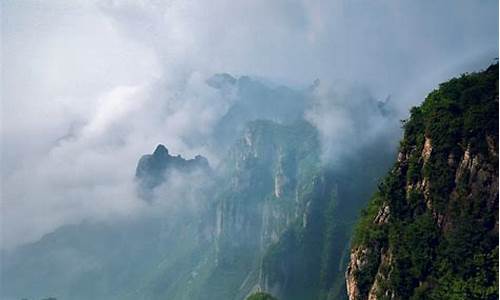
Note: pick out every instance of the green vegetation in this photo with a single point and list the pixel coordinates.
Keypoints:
(442, 235)
(309, 260)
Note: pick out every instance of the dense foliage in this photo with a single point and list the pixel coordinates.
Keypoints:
(442, 234)
(309, 260)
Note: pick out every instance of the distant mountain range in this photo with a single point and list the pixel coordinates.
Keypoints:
(275, 217)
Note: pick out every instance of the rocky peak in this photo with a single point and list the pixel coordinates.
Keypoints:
(420, 235)
(426, 152)
(160, 151)
(152, 169)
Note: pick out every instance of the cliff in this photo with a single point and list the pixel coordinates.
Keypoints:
(283, 217)
(431, 229)
(154, 169)
(258, 196)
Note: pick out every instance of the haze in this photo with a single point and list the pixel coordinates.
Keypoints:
(90, 86)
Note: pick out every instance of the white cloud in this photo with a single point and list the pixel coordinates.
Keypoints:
(349, 118)
(89, 86)
(89, 173)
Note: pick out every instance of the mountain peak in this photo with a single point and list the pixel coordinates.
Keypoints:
(152, 169)
(160, 150)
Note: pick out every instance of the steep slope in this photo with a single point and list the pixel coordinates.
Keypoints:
(308, 261)
(106, 260)
(431, 230)
(271, 217)
(260, 195)
(148, 256)
(210, 252)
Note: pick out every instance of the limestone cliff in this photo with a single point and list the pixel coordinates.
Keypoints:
(431, 230)
(258, 196)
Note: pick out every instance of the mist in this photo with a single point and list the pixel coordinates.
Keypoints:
(90, 86)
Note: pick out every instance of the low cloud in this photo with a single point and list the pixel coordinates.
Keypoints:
(89, 86)
(88, 173)
(349, 118)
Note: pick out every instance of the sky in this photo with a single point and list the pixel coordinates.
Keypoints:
(90, 86)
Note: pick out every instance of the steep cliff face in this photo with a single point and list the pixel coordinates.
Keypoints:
(431, 230)
(267, 167)
(308, 260)
(283, 217)
(258, 198)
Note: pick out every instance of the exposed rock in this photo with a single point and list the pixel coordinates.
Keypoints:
(153, 169)
(383, 215)
(385, 261)
(356, 264)
(427, 150)
(280, 179)
(453, 207)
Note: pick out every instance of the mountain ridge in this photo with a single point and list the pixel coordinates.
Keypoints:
(431, 229)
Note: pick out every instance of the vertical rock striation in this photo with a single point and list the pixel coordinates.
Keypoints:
(431, 230)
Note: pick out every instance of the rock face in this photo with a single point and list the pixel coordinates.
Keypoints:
(259, 198)
(154, 169)
(309, 258)
(431, 231)
(283, 217)
(272, 217)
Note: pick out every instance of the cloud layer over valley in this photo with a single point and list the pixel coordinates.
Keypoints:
(90, 86)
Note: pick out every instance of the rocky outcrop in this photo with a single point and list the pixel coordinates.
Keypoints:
(363, 259)
(356, 264)
(436, 212)
(426, 152)
(257, 201)
(154, 169)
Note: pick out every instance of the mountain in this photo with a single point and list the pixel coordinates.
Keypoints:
(308, 260)
(104, 260)
(431, 229)
(152, 168)
(254, 99)
(265, 174)
(272, 216)
(155, 169)
(271, 185)
(274, 220)
(148, 256)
